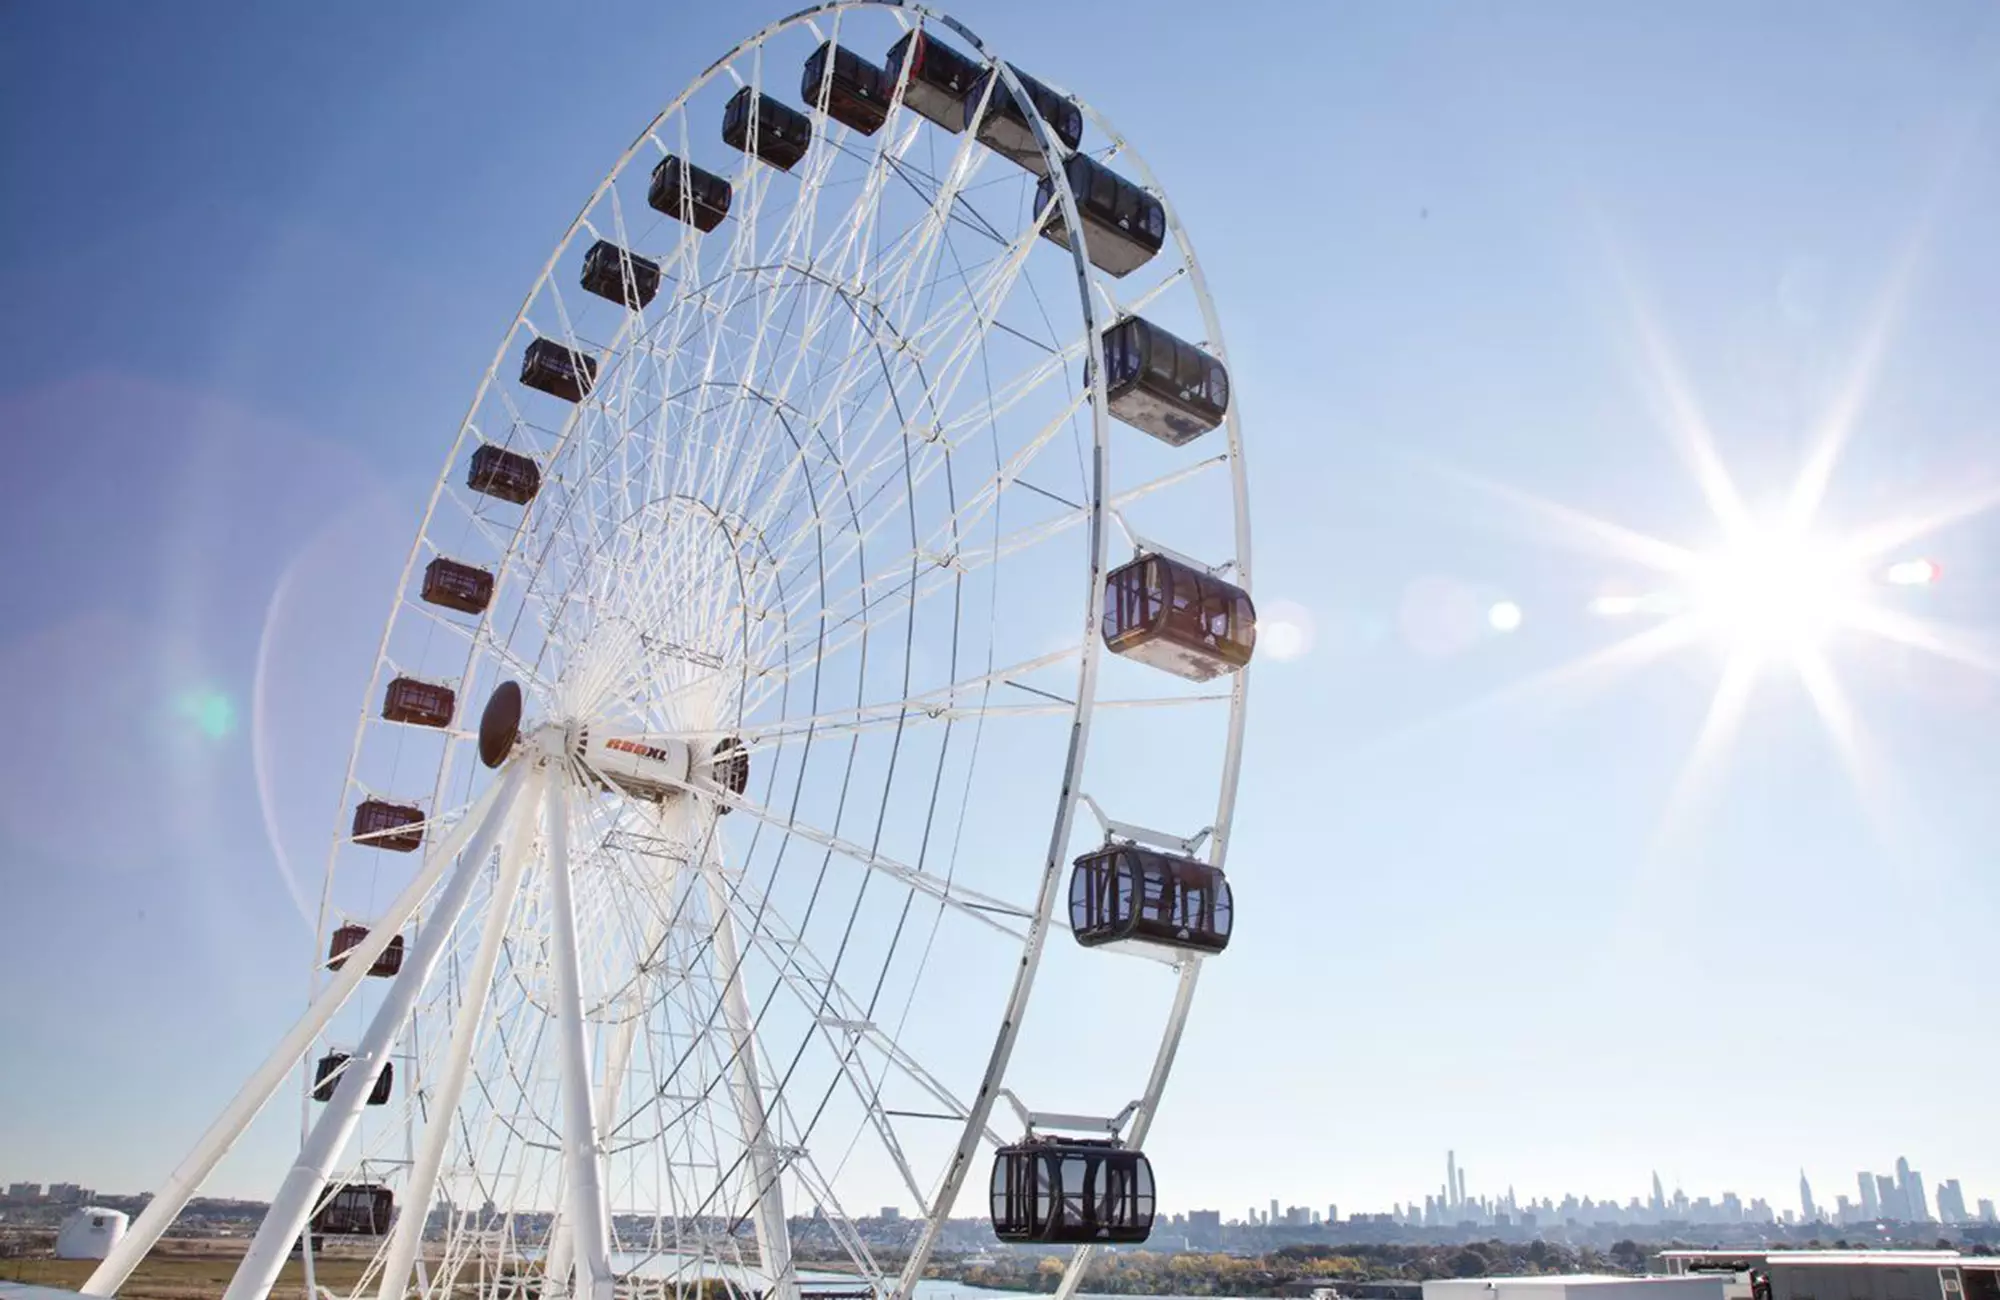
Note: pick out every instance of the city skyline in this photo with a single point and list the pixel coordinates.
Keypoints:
(1898, 1198)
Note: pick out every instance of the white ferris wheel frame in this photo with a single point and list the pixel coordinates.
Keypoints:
(511, 800)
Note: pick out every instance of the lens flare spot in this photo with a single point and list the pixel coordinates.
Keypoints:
(1285, 631)
(210, 712)
(1913, 573)
(1504, 616)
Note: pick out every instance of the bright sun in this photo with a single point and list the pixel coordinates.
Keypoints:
(1774, 593)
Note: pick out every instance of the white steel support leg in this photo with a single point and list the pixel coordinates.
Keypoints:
(774, 1244)
(617, 1060)
(589, 1225)
(465, 1032)
(188, 1176)
(301, 1188)
(558, 1257)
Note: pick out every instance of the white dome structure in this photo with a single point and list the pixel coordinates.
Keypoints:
(90, 1233)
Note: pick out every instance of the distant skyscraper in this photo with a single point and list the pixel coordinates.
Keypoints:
(1951, 1201)
(1273, 1220)
(1807, 1211)
(1871, 1203)
(1461, 1188)
(1451, 1179)
(1985, 1211)
(1914, 1205)
(1892, 1200)
(1659, 1195)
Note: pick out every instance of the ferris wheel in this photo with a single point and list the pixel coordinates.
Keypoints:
(838, 588)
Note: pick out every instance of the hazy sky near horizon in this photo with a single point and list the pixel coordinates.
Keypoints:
(1441, 236)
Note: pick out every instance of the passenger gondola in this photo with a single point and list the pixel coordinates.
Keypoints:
(729, 767)
(1125, 225)
(326, 1077)
(1164, 385)
(357, 1210)
(939, 78)
(507, 475)
(688, 194)
(1124, 892)
(618, 276)
(350, 936)
(397, 827)
(1173, 616)
(1071, 1191)
(549, 367)
(457, 586)
(1005, 130)
(764, 128)
(419, 703)
(856, 91)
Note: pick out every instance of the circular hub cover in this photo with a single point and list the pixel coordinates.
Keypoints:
(500, 725)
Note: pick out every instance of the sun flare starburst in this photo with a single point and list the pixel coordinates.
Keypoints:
(1772, 597)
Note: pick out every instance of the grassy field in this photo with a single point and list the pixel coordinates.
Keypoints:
(185, 1270)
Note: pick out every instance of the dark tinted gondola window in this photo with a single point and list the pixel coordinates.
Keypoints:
(1121, 353)
(1072, 122)
(1104, 192)
(1132, 598)
(1100, 896)
(1192, 370)
(1131, 213)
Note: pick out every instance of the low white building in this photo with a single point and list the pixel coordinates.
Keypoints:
(90, 1233)
(1846, 1274)
(1578, 1286)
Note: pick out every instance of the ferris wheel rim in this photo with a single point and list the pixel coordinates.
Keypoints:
(1090, 649)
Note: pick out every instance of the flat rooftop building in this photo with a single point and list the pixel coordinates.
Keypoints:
(1581, 1286)
(1843, 1274)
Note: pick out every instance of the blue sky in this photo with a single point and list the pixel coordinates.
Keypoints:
(256, 258)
